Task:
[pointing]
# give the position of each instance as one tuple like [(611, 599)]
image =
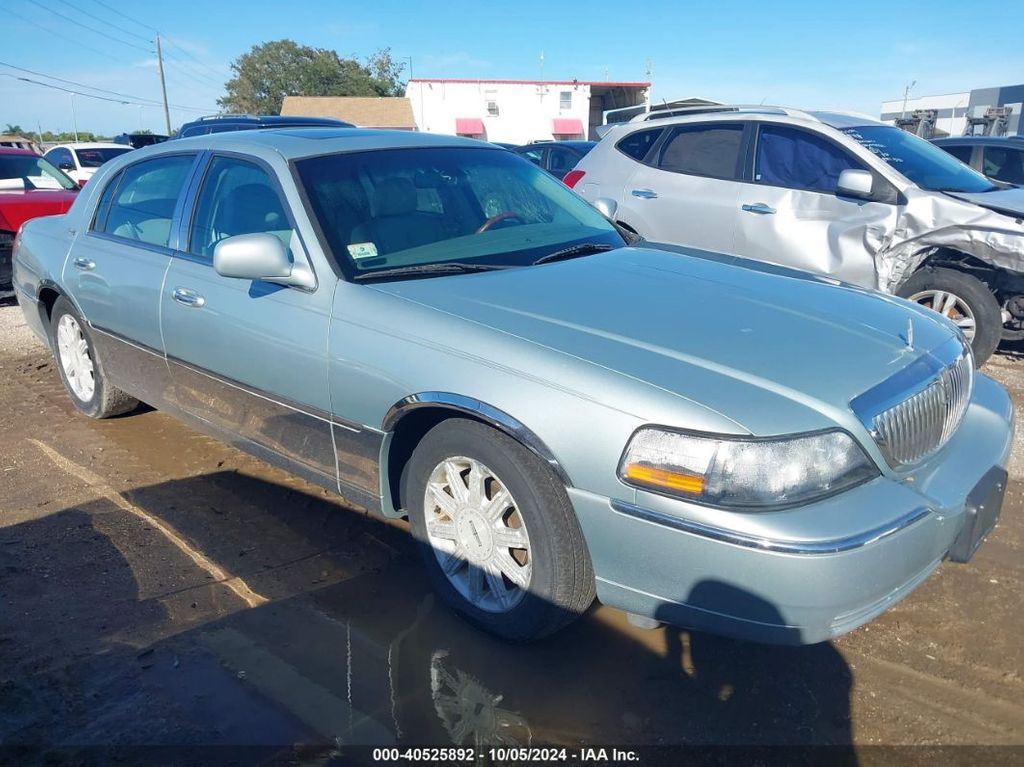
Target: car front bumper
[(804, 575)]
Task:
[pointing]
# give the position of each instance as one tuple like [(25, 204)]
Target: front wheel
[(496, 531), (962, 298), (79, 367)]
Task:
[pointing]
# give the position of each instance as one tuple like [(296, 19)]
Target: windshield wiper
[(445, 267), (573, 251)]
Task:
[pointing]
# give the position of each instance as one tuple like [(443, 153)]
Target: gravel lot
[(160, 587)]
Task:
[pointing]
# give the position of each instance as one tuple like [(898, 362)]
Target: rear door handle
[(644, 194), (188, 297), (759, 207), (85, 264)]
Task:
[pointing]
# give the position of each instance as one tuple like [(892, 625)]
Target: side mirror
[(606, 208), (855, 183), (259, 256)]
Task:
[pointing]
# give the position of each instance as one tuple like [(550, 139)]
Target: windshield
[(25, 171), (94, 157), (387, 209), (920, 161)]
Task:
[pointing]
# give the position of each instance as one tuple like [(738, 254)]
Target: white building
[(519, 111), (953, 111)]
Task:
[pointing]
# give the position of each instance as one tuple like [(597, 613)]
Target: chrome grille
[(922, 423)]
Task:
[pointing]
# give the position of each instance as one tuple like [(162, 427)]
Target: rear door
[(789, 213), (116, 269), (249, 357), (685, 192)]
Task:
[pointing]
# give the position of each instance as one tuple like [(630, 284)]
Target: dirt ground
[(157, 586)]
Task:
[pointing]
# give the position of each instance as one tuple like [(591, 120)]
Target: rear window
[(703, 150), (95, 157), (638, 143)]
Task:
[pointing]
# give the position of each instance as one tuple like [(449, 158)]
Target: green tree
[(273, 70), (14, 130)]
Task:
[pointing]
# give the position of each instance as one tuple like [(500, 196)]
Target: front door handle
[(188, 297), (759, 207), (644, 194), (85, 264)]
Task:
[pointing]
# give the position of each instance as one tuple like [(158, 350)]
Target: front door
[(790, 214), (250, 357), (685, 192), (116, 269)]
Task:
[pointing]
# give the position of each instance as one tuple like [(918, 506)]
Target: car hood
[(18, 206), (1007, 201), (698, 328)]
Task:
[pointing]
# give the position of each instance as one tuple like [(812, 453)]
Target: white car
[(81, 159), (836, 194)]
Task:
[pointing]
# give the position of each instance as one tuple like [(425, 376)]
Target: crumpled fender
[(995, 238)]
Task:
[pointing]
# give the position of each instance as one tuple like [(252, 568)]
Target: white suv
[(831, 193)]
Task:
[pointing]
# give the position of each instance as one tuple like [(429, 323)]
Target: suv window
[(962, 153), (143, 203), (561, 161), (638, 143), (237, 197), (703, 150), (1004, 164), (798, 159)]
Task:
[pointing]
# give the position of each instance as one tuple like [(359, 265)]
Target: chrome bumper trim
[(833, 546)]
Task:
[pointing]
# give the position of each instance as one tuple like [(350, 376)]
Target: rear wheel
[(496, 531), (79, 367), (962, 298)]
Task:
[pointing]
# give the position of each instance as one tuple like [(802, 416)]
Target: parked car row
[(437, 329)]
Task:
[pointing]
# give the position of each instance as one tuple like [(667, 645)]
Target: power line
[(154, 102), (90, 28), (105, 21), (92, 95), (195, 76), (194, 58), (76, 43), (126, 16)]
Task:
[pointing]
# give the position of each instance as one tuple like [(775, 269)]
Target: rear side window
[(1004, 164), (99, 221), (703, 150), (142, 206), (962, 153), (638, 143), (237, 197), (798, 159)]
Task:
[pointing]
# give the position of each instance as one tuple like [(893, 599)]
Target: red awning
[(567, 126), (469, 126)]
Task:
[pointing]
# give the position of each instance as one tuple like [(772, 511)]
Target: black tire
[(106, 400), (988, 317), (562, 582)]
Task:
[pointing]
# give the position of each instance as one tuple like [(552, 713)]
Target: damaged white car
[(831, 193)]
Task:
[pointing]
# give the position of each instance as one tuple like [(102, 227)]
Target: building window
[(492, 108), (565, 100)]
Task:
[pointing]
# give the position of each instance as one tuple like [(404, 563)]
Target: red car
[(29, 187)]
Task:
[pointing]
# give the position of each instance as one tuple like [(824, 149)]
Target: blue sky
[(816, 55)]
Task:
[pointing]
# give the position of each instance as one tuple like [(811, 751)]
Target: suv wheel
[(496, 531), (962, 298), (80, 369)]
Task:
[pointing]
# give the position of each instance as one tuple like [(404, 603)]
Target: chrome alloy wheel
[(949, 305), (478, 534), (73, 352)]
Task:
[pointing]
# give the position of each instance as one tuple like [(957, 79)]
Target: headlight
[(747, 473)]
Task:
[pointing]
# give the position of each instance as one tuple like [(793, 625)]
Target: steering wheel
[(500, 217)]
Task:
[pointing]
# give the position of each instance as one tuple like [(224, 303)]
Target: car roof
[(726, 112), (296, 143), (977, 140), (88, 145), (572, 143), (266, 120), (17, 150)]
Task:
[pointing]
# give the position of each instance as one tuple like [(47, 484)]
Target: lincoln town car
[(438, 330)]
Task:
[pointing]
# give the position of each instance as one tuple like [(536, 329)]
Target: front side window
[(638, 143), (561, 161), (26, 171), (393, 208), (962, 153), (535, 155), (143, 204), (703, 150), (95, 157), (237, 197), (920, 161), (1004, 164), (61, 158), (797, 159)]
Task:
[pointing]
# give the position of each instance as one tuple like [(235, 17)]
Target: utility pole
[(906, 93), (74, 117), (163, 83)]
